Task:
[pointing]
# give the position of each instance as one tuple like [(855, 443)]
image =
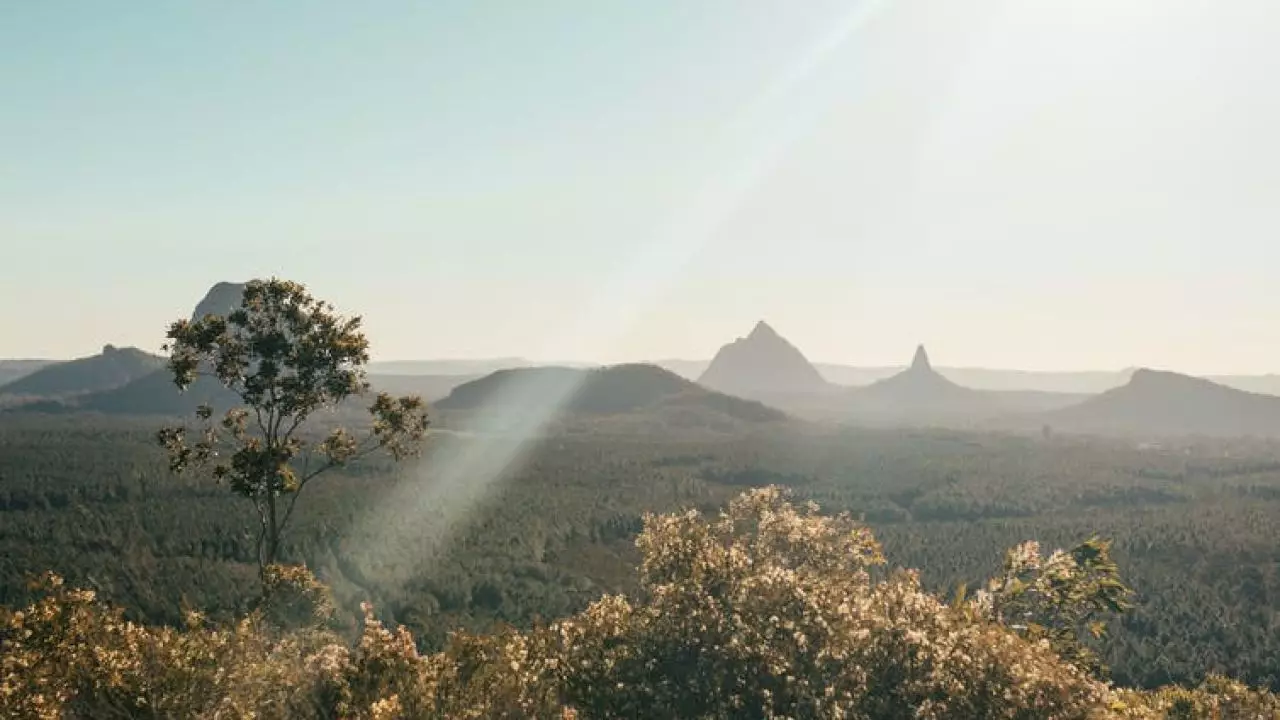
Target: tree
[(284, 355), (1064, 598)]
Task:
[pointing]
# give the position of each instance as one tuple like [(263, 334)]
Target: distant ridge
[(112, 368), (761, 366), (1159, 403), (14, 368), (154, 392), (613, 390), (475, 367)]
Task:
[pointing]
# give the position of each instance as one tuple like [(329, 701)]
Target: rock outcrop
[(763, 365), (221, 299)]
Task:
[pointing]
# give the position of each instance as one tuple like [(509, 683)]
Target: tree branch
[(308, 477)]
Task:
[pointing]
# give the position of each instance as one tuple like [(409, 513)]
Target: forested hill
[(1155, 403), (615, 390), (111, 368)]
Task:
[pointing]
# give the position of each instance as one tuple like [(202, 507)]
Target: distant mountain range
[(1086, 382), (761, 377), (112, 368)]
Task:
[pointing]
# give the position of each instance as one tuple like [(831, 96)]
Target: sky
[(1036, 184)]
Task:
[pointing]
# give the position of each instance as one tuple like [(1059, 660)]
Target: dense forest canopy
[(1193, 525)]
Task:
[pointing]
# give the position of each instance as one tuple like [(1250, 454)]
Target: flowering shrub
[(293, 597), (1063, 598), (768, 610)]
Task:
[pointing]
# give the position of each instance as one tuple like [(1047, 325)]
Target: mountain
[(221, 299), (113, 368), (762, 365), (523, 393), (917, 392), (920, 394), (1157, 403), (152, 392)]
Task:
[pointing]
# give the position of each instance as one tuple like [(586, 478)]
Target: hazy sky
[(1052, 184)]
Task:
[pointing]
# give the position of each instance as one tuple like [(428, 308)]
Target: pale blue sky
[(1052, 184)]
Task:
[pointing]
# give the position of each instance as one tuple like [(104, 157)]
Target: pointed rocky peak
[(920, 363), (761, 363), (763, 331), (221, 299)]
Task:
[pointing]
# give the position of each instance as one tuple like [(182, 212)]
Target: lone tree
[(285, 355)]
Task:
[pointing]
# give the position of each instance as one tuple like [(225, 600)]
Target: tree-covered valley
[(450, 540)]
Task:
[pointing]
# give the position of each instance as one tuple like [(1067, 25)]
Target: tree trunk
[(273, 530)]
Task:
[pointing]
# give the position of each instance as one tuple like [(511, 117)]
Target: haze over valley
[(704, 359)]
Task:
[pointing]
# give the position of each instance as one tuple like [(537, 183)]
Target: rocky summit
[(761, 365), (920, 363), (221, 299)]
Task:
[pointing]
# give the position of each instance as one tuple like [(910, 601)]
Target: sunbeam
[(461, 471)]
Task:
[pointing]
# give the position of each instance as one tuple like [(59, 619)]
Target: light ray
[(418, 519)]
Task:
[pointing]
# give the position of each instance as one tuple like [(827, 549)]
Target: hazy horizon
[(1048, 185)]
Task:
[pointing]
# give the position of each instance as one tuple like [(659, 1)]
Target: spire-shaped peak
[(921, 360), (762, 331)]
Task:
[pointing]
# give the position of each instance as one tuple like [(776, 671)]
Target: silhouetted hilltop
[(921, 395), (762, 365), (112, 368), (611, 390), (1156, 403), (918, 388), (154, 393), (221, 299)]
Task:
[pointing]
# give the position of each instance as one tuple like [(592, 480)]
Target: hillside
[(614, 390), (155, 394), (112, 368), (1157, 403), (762, 366), (12, 369)]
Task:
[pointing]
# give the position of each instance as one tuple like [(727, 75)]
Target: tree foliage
[(765, 610), (1192, 525), (286, 356), (1064, 598)]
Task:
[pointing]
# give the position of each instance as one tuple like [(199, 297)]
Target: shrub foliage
[(767, 610)]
